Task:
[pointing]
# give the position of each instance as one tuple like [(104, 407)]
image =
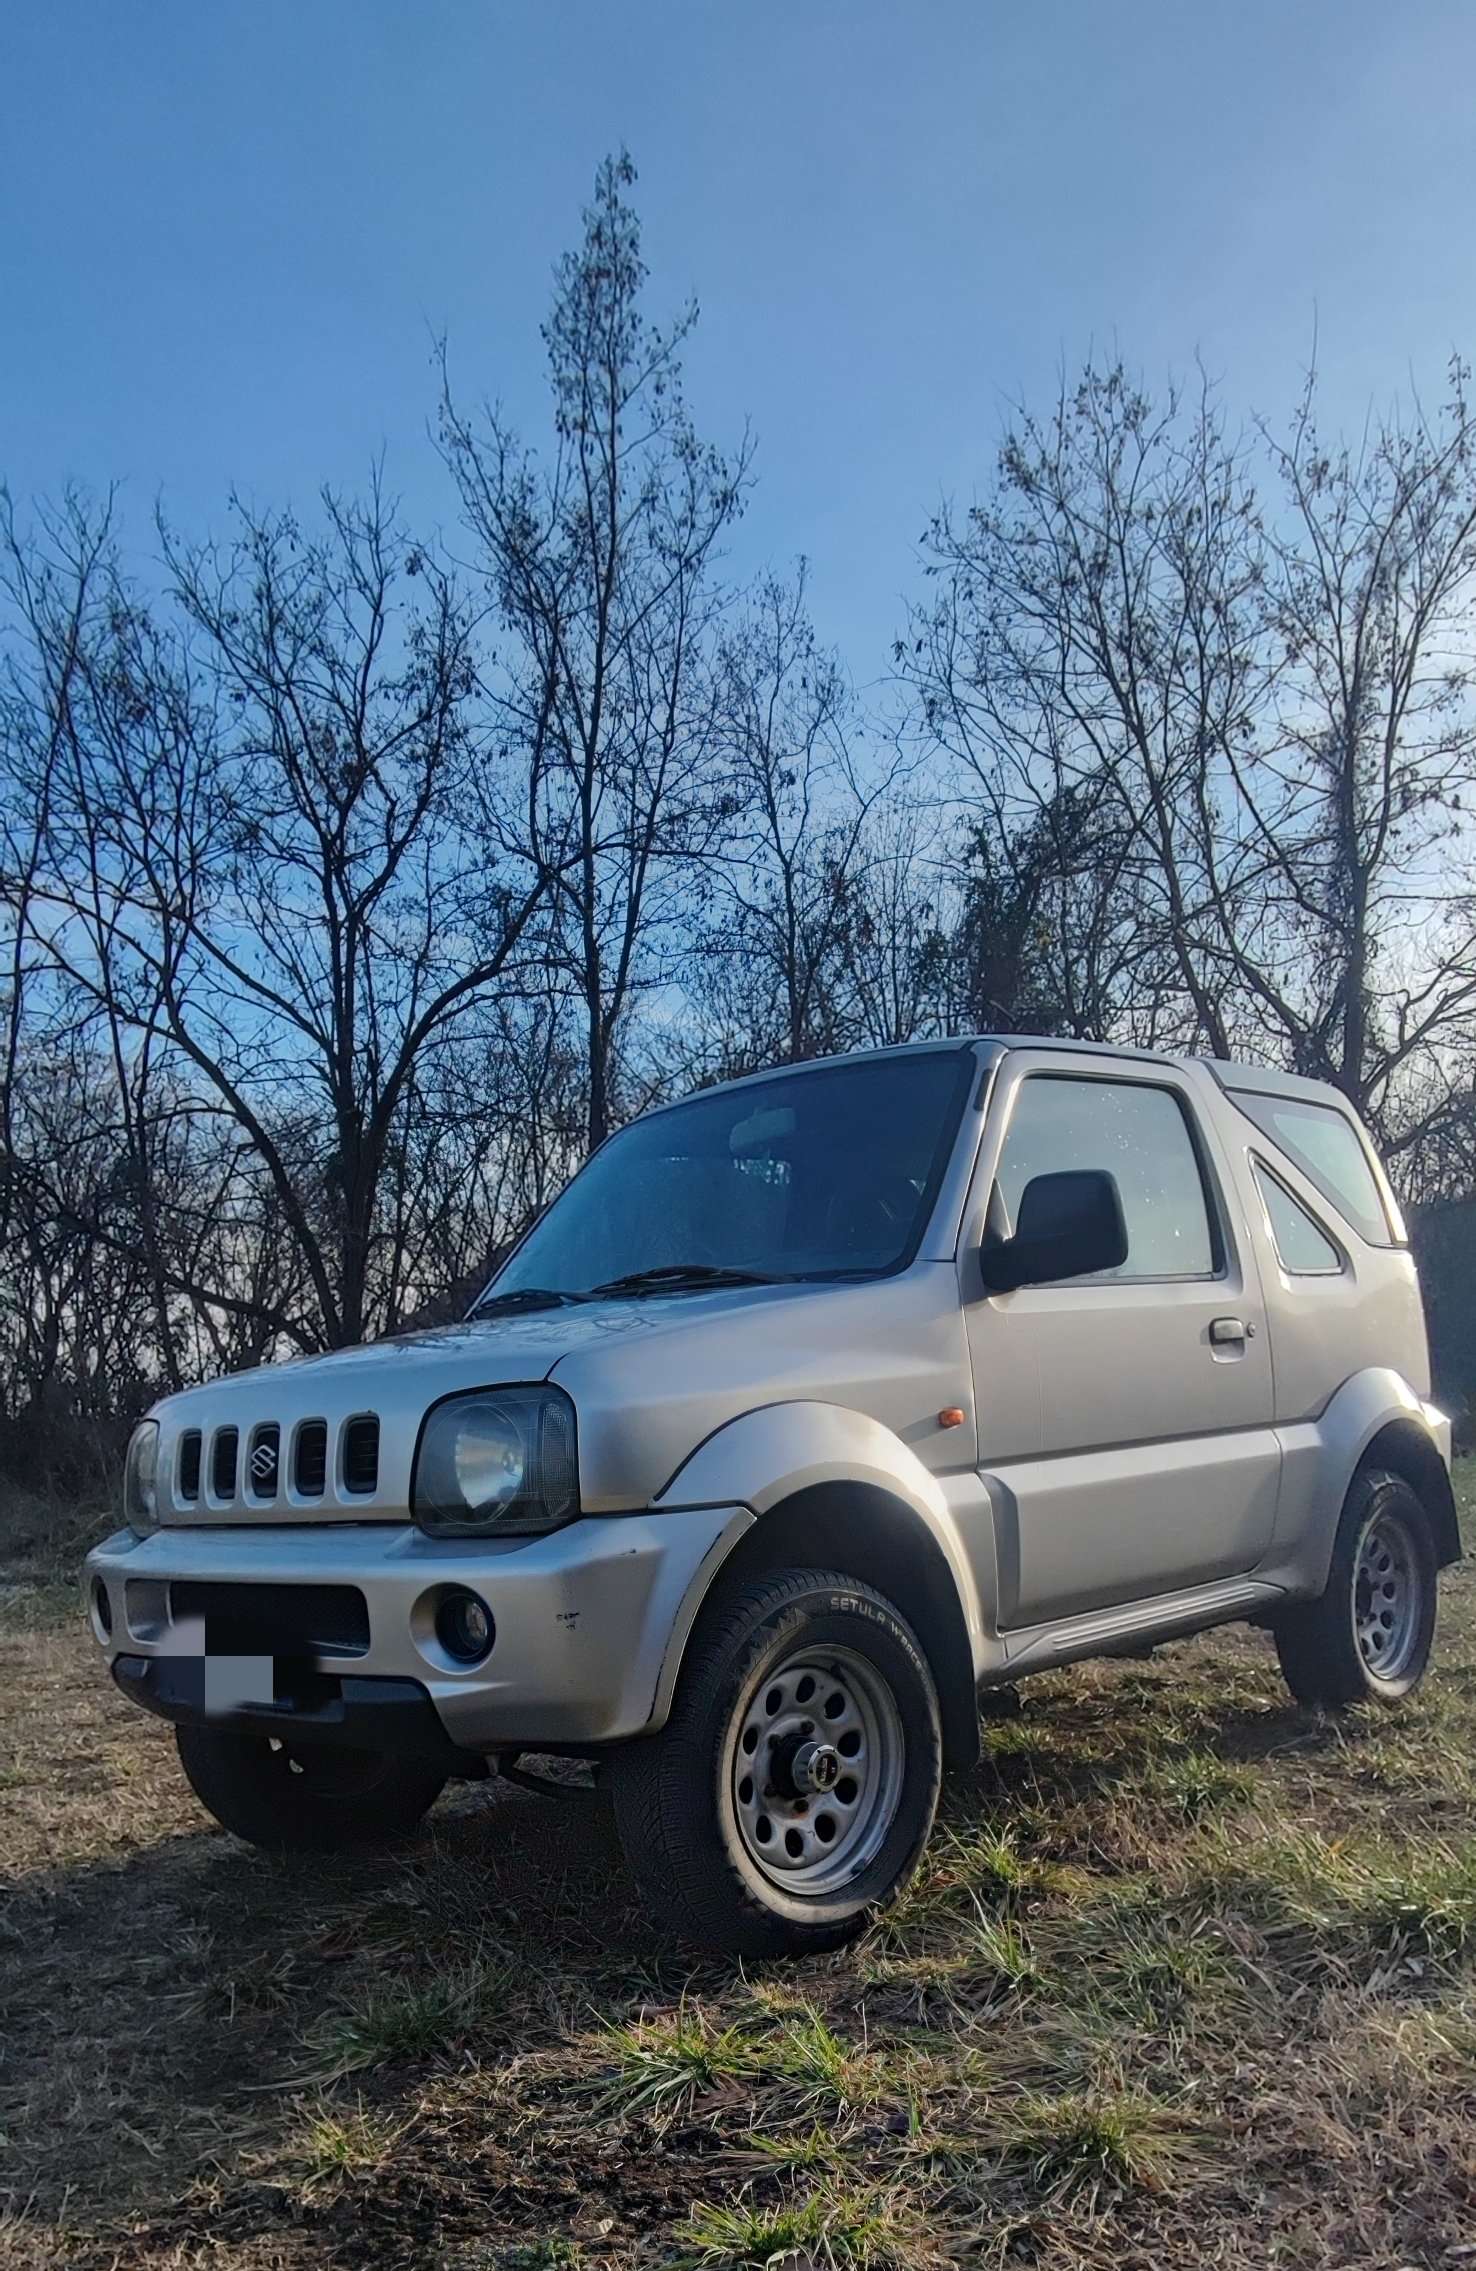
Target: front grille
[(310, 1458), (253, 1467), (261, 1461), (361, 1454), (274, 1620), (223, 1463)]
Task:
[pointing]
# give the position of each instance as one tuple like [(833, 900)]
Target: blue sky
[(229, 229)]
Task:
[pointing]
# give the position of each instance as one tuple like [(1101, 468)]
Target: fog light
[(464, 1627), (102, 1608)]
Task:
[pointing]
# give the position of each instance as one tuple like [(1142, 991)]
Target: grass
[(37, 1603), (410, 2018), (338, 2145), (1421, 1904), (1094, 2143), (1187, 1978), (821, 2148), (662, 2068), (1197, 1784), (1353, 1899), (666, 2067), (1152, 1972), (839, 2226)]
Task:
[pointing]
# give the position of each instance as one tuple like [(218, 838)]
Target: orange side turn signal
[(952, 1415)]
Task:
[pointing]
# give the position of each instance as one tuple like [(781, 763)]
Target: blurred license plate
[(232, 1682)]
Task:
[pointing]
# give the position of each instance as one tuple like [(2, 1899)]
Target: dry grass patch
[(339, 2145)]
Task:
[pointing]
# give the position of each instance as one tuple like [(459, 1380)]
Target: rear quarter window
[(1329, 1150), (1303, 1247)]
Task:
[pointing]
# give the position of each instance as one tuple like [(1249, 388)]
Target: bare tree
[(900, 948), (332, 935), (1361, 802), (1096, 649), (1243, 687), (53, 584), (599, 561), (1044, 941), (84, 680), (258, 864), (802, 806)]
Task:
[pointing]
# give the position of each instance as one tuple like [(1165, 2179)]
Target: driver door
[(1124, 1419)]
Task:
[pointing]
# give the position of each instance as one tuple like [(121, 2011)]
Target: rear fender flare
[(1374, 1417)]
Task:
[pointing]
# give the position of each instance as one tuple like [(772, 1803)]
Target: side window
[(1302, 1246), (1326, 1146), (1139, 1134)]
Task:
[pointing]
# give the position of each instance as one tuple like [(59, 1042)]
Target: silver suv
[(814, 1406)]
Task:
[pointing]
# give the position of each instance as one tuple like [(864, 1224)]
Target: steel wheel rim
[(814, 1772), (1386, 1598)]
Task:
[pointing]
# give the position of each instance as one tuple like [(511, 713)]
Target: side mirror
[(1068, 1226)]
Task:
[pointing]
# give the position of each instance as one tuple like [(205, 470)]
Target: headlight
[(141, 1478), (498, 1460)]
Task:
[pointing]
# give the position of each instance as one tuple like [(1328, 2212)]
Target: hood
[(650, 1378), (527, 1345)]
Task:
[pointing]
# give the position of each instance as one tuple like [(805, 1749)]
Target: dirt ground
[(1189, 1979)]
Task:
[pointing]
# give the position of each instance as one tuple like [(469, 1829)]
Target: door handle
[(1224, 1330)]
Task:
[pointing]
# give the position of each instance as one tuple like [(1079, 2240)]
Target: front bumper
[(590, 1625)]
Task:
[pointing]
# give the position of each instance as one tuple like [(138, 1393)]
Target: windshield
[(829, 1172)]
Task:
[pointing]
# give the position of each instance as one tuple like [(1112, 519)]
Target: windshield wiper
[(681, 1277), (524, 1297)]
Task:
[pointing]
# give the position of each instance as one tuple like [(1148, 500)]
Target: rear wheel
[(1369, 1636), (304, 1797), (793, 1788)]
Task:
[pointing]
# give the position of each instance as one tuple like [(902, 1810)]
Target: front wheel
[(793, 1788), (1369, 1635), (304, 1797)]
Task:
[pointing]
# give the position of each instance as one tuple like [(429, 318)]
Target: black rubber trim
[(362, 1714)]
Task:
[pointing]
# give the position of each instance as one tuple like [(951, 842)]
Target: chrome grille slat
[(361, 1454), (310, 1458), (223, 1455)]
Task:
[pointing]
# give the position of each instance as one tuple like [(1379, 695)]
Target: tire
[(1368, 1637), (314, 1798), (815, 1655)]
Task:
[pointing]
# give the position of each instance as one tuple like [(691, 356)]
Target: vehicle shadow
[(1109, 1735), (177, 2006)]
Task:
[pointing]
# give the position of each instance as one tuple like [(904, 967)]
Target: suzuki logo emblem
[(264, 1465)]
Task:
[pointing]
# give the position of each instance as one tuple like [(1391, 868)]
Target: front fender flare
[(780, 1451)]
